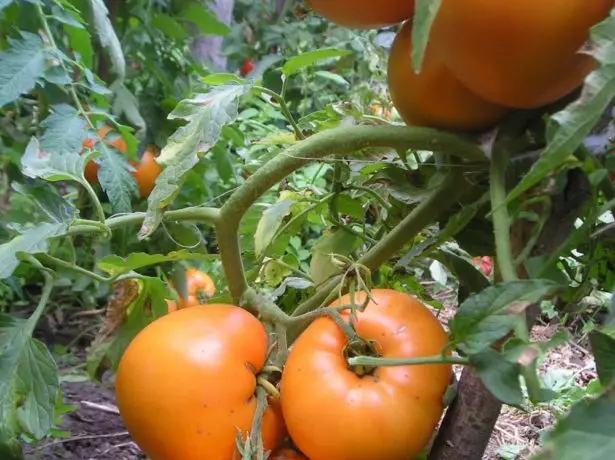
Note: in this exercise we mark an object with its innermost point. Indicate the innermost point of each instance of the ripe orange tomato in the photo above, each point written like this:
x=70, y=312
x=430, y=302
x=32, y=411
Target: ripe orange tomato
x=522, y=53
x=198, y=284
x=185, y=385
x=333, y=413
x=147, y=170
x=91, y=168
x=364, y=14
x=434, y=97
x=287, y=454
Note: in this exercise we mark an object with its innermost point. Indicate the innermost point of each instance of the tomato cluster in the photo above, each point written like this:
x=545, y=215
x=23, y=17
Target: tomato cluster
x=484, y=58
x=199, y=288
x=186, y=384
x=146, y=170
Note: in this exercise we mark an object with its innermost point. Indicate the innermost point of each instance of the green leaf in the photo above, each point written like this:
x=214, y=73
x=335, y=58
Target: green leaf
x=269, y=224
x=169, y=26
x=217, y=79
x=116, y=265
x=206, y=114
x=500, y=376
x=603, y=347
x=65, y=130
x=425, y=12
x=350, y=206
x=587, y=432
x=204, y=19
x=335, y=78
x=332, y=242
x=567, y=129
x=486, y=317
x=32, y=240
x=80, y=41
x=55, y=207
x=125, y=103
x=471, y=279
x=108, y=38
x=5, y=3
x=21, y=66
x=37, y=163
x=310, y=58
x=115, y=178
x=66, y=17
x=28, y=383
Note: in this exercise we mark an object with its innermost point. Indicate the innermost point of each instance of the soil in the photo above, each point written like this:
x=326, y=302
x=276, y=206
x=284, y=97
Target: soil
x=96, y=432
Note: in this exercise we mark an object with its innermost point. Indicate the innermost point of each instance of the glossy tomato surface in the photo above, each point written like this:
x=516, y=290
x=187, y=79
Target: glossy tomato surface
x=334, y=414
x=147, y=171
x=364, y=14
x=186, y=384
x=434, y=97
x=521, y=53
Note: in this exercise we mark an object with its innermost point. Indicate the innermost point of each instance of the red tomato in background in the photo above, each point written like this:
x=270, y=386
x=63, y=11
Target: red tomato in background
x=484, y=263
x=247, y=67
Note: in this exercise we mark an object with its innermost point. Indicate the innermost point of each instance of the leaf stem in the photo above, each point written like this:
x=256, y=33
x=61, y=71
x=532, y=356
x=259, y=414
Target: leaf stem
x=284, y=108
x=389, y=362
x=50, y=260
x=100, y=213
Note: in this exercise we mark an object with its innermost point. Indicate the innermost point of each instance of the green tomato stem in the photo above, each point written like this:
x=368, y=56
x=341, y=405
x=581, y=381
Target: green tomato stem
x=389, y=362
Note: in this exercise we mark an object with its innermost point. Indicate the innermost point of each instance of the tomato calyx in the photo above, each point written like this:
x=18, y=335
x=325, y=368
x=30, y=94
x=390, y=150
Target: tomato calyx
x=361, y=347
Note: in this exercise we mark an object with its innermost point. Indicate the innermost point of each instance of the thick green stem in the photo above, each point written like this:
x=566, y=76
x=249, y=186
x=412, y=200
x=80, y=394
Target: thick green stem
x=336, y=141
x=388, y=362
x=49, y=277
x=440, y=200
x=201, y=214
x=501, y=218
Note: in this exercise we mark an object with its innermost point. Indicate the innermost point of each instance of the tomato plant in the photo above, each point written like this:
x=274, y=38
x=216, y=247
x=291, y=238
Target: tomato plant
x=173, y=389
x=282, y=223
x=405, y=402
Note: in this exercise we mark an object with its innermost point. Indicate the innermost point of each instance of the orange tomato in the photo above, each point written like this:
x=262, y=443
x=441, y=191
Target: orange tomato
x=198, y=284
x=185, y=385
x=333, y=413
x=434, y=97
x=147, y=171
x=364, y=14
x=91, y=168
x=522, y=53
x=287, y=454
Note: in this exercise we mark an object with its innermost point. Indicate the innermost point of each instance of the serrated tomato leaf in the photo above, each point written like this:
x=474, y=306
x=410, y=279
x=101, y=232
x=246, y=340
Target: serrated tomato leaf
x=567, y=129
x=65, y=130
x=108, y=38
x=28, y=382
x=115, y=178
x=32, y=240
x=52, y=166
x=310, y=58
x=603, y=347
x=500, y=376
x=269, y=224
x=21, y=65
x=587, y=432
x=331, y=242
x=206, y=114
x=425, y=12
x=116, y=265
x=485, y=317
x=46, y=198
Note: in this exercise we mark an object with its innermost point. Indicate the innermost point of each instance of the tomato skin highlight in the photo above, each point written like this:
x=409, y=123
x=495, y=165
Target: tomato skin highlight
x=332, y=413
x=364, y=14
x=185, y=384
x=435, y=97
x=523, y=53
